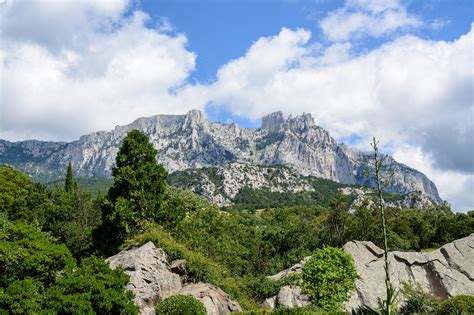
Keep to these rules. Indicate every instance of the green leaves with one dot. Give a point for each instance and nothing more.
(328, 277)
(136, 194)
(39, 275)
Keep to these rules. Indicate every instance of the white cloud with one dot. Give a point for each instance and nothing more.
(456, 187)
(115, 70)
(367, 17)
(409, 90)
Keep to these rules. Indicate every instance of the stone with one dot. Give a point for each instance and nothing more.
(445, 272)
(216, 301)
(292, 297)
(151, 279)
(297, 268)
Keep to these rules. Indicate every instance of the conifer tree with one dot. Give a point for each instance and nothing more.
(136, 194)
(69, 184)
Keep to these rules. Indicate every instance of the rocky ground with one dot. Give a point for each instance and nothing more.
(445, 272)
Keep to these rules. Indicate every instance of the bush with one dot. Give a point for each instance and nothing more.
(460, 304)
(180, 305)
(418, 301)
(199, 266)
(328, 277)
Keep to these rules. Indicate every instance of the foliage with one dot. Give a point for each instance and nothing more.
(180, 305)
(136, 194)
(417, 301)
(69, 183)
(176, 204)
(20, 198)
(73, 218)
(336, 220)
(39, 275)
(460, 304)
(199, 266)
(25, 252)
(328, 276)
(91, 288)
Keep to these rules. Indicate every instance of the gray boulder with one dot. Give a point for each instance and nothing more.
(297, 268)
(291, 297)
(151, 279)
(445, 272)
(216, 301)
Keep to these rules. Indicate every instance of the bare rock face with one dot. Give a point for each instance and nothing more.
(191, 141)
(216, 301)
(297, 268)
(292, 297)
(446, 272)
(151, 279)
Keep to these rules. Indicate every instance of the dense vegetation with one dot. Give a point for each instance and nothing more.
(180, 305)
(59, 235)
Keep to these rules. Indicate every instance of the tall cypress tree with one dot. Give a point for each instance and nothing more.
(136, 194)
(69, 184)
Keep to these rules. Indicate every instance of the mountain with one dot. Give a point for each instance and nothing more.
(191, 141)
(247, 186)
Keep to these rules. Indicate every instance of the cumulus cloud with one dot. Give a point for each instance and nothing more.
(100, 66)
(408, 91)
(367, 17)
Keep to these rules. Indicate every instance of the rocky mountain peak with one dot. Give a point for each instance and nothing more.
(273, 122)
(193, 119)
(192, 141)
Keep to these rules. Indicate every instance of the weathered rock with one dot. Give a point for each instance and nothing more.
(297, 268)
(151, 279)
(446, 272)
(191, 141)
(291, 297)
(179, 266)
(216, 301)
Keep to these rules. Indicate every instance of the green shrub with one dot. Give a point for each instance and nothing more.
(180, 305)
(459, 304)
(328, 277)
(199, 267)
(418, 301)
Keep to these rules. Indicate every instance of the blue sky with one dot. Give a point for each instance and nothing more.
(219, 31)
(398, 70)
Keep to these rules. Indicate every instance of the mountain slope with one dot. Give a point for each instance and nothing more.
(191, 141)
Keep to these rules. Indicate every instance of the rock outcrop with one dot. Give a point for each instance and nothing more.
(445, 272)
(216, 301)
(152, 279)
(192, 141)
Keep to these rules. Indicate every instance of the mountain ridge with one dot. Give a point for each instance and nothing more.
(191, 141)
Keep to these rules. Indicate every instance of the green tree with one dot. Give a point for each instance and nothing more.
(69, 184)
(37, 275)
(73, 218)
(137, 191)
(21, 199)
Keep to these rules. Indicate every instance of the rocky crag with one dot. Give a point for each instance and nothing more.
(191, 141)
(153, 278)
(444, 273)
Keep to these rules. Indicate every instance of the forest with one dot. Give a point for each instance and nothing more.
(54, 239)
